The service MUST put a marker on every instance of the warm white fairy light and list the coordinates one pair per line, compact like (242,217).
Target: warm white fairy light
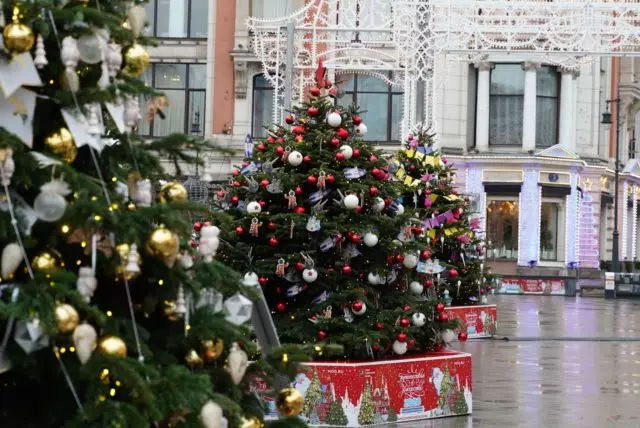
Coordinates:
(625,219)
(634,232)
(567,219)
(577,229)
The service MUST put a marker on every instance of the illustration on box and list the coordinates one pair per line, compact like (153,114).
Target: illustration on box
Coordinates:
(532,286)
(476,321)
(354,397)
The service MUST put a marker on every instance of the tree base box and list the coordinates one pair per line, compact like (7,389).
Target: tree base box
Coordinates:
(380,392)
(478,321)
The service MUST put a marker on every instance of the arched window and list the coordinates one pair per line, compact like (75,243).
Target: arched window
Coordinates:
(262,106)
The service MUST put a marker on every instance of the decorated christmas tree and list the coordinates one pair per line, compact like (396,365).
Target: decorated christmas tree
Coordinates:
(453,268)
(319,223)
(336,414)
(392,416)
(460,406)
(366,414)
(107,317)
(313,396)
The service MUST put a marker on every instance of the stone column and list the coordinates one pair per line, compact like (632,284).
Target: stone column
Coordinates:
(530,102)
(482,106)
(566,109)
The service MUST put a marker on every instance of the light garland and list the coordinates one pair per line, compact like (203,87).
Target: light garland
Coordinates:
(634,231)
(625,219)
(567,232)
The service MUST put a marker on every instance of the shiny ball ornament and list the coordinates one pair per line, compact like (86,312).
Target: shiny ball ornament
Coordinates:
(448,336)
(347,270)
(340,157)
(289,402)
(213,349)
(315,91)
(67,318)
(358,307)
(334,119)
(50,206)
(374,279)
(112,345)
(402,337)
(416,288)
(351,202)
(310,275)
(322,335)
(440,308)
(405,322)
(347,151)
(378,204)
(163,244)
(444,318)
(343,133)
(357,119)
(173,192)
(453,273)
(370,239)
(400,209)
(361,130)
(295,158)
(44,262)
(18,38)
(400,348)
(252,422)
(462,336)
(136,61)
(418,319)
(410,261)
(273,242)
(61,144)
(193,359)
(254,207)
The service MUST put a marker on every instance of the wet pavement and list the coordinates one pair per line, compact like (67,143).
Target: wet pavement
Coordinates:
(569,362)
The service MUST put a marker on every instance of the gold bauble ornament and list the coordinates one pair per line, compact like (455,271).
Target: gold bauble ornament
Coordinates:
(67,318)
(113,345)
(252,422)
(163,244)
(170,310)
(173,192)
(193,359)
(213,349)
(17,38)
(61,144)
(136,61)
(289,402)
(123,252)
(44,262)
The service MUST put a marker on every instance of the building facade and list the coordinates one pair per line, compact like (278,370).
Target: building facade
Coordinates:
(525,135)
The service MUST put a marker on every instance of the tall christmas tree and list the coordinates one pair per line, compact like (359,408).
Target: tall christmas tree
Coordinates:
(451,266)
(367,412)
(107,318)
(332,246)
(313,395)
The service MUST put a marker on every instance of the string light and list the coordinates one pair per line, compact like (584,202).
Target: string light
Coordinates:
(97,217)
(109,313)
(161,282)
(634,231)
(83,244)
(285,358)
(625,219)
(114,179)
(65,228)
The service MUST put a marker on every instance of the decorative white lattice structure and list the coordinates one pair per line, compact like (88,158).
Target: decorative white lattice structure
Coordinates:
(402,39)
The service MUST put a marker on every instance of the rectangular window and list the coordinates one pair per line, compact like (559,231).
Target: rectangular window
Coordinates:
(262,116)
(506,106)
(502,227)
(547,88)
(183,85)
(549,230)
(178,18)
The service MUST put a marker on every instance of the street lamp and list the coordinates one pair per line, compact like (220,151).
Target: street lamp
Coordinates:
(606,120)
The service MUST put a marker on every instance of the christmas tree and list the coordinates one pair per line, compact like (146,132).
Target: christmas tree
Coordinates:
(366,414)
(313,396)
(319,221)
(445,391)
(460,406)
(336,414)
(107,318)
(392,416)
(451,266)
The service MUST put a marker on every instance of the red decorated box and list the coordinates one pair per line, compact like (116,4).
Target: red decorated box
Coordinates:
(365,393)
(478,321)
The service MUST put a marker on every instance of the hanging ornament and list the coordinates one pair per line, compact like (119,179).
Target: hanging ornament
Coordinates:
(347,151)
(93,120)
(462,336)
(295,158)
(291,199)
(378,204)
(84,339)
(193,359)
(90,48)
(140,192)
(238,309)
(87,283)
(310,275)
(40,59)
(70,55)
(400,348)
(114,59)
(61,144)
(11,259)
(112,345)
(7,166)
(343,133)
(358,307)
(419,319)
(416,288)
(361,130)
(289,402)
(163,244)
(30,336)
(370,239)
(211,415)
(67,318)
(448,336)
(17,37)
(322,180)
(181,303)
(334,119)
(133,258)
(374,278)
(173,192)
(136,19)
(209,242)
(237,363)
(44,262)
(132,113)
(213,349)
(280,268)
(253,208)
(410,261)
(252,422)
(250,279)
(453,273)
(136,61)
(351,202)
(254,228)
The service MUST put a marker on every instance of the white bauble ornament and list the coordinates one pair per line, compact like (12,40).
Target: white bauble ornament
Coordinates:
(484,300)
(448,336)
(351,202)
(400,209)
(378,204)
(416,288)
(186,261)
(50,203)
(238,362)
(347,151)
(90,48)
(334,119)
(250,279)
(87,283)
(374,278)
(211,415)
(359,308)
(400,348)
(253,208)
(310,275)
(410,261)
(419,319)
(84,339)
(361,130)
(11,259)
(295,158)
(370,239)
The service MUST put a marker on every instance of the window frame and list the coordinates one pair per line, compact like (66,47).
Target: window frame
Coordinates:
(557,98)
(254,89)
(187,102)
(503,198)
(188,23)
(390,94)
(561,231)
(503,96)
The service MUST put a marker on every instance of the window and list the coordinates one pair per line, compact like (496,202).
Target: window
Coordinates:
(178,18)
(506,105)
(549,220)
(547,85)
(263,94)
(184,87)
(502,227)
(270,8)
(382,105)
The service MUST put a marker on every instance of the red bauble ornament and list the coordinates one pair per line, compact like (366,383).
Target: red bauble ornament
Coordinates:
(239,230)
(358,209)
(374,191)
(439,347)
(279,150)
(298,130)
(315,91)
(273,241)
(407,308)
(280,140)
(327,83)
(312,179)
(357,306)
(330,179)
(411,343)
(261,147)
(236,171)
(281,307)
(444,161)
(299,138)
(444,318)
(402,337)
(391,260)
(220,194)
(235,200)
(262,203)
(428,283)
(289,119)
(453,274)
(376,347)
(299,266)
(343,133)
(375,172)
(425,255)
(340,156)
(399,258)
(307,159)
(264,183)
(462,336)
(270,139)
(194,244)
(335,142)
(299,210)
(237,184)
(356,153)
(312,111)
(197,226)
(410,137)
(357,120)
(440,307)
(263,280)
(355,238)
(373,158)
(412,167)
(379,326)
(322,335)
(298,191)
(481,292)
(272,226)
(347,270)
(404,322)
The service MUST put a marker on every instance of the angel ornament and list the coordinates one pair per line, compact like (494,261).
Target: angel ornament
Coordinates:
(285,155)
(254,229)
(280,268)
(291,197)
(322,180)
